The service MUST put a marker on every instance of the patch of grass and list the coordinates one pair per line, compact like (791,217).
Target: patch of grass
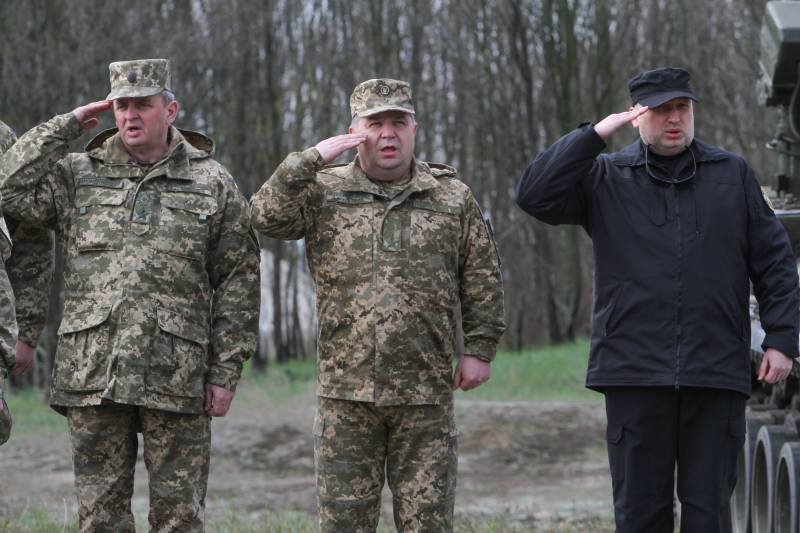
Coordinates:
(38,521)
(231,521)
(284,382)
(551,373)
(31,414)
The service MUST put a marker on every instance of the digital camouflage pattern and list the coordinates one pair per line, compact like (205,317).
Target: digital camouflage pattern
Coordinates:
(30,270)
(389,275)
(376,96)
(8,325)
(8,322)
(148,252)
(29,267)
(176,452)
(7,137)
(137,78)
(417,445)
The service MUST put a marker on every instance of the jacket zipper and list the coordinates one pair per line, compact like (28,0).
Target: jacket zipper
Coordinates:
(678,332)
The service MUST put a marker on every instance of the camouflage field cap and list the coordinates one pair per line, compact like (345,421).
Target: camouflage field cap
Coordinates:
(376,96)
(137,78)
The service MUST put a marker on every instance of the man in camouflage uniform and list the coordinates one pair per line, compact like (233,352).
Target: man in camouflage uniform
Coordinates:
(8,323)
(159,307)
(394,245)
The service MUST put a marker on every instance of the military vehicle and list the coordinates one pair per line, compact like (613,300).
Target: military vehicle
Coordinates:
(767,494)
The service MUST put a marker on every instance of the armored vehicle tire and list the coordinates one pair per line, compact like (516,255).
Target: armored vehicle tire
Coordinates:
(787,489)
(769,442)
(740,500)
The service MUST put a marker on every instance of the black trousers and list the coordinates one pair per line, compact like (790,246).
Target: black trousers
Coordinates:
(650,431)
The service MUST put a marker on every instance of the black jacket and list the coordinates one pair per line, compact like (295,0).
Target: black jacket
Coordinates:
(673,261)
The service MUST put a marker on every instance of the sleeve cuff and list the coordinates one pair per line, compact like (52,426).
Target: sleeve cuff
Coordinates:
(224,377)
(787,346)
(482,349)
(69,126)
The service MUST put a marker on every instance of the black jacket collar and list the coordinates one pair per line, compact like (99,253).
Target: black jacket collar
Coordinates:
(633,154)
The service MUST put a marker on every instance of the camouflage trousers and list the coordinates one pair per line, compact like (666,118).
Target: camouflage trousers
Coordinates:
(357,445)
(104,450)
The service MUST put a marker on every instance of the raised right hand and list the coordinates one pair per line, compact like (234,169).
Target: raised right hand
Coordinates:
(86,113)
(609,125)
(332,148)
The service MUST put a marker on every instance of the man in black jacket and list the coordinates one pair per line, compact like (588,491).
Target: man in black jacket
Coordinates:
(679,230)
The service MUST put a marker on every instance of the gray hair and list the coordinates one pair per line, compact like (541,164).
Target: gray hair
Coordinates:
(168,96)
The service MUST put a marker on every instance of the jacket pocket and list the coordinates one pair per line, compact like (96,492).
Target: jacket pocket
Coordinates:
(100,218)
(183,228)
(179,359)
(435,235)
(82,353)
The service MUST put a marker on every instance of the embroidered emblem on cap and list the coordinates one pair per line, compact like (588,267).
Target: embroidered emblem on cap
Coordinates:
(131,76)
(384,90)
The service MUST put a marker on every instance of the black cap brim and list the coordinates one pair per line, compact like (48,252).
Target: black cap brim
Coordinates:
(658,99)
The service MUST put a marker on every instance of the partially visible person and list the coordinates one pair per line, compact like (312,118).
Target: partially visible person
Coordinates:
(8,323)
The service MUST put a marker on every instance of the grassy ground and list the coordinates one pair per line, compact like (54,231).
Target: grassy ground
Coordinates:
(554,373)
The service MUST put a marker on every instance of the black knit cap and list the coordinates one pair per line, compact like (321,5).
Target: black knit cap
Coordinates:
(653,88)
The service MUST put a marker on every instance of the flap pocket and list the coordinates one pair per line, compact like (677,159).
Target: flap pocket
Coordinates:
(180,326)
(197,203)
(81,320)
(614,433)
(86,196)
(99,181)
(435,207)
(350,198)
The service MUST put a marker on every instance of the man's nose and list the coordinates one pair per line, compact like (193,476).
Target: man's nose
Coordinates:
(388,131)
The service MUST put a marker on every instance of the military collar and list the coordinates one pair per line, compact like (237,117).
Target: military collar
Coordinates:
(633,154)
(357,180)
(185,145)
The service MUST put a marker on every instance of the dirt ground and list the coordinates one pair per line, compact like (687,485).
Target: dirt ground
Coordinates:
(541,466)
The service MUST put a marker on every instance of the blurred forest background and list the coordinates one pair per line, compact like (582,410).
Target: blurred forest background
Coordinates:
(495,82)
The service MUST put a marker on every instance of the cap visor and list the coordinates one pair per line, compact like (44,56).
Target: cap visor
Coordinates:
(133,92)
(662,98)
(383,109)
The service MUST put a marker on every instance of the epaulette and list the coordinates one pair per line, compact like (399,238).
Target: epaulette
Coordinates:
(439,170)
(334,170)
(326,167)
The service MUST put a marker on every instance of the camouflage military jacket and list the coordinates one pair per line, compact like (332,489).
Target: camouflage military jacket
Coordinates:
(160,268)
(390,273)
(8,323)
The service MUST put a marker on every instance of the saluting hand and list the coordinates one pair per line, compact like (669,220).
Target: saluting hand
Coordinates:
(332,148)
(609,125)
(775,366)
(86,113)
